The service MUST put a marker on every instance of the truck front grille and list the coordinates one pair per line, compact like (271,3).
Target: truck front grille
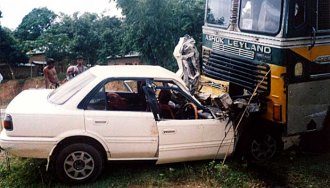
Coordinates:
(246,74)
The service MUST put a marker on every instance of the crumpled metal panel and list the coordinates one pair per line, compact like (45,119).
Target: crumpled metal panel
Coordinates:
(187,57)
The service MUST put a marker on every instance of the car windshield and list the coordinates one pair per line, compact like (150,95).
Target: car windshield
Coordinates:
(218,12)
(260,16)
(67,90)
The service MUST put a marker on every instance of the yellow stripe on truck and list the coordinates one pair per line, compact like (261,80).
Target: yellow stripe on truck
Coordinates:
(277,94)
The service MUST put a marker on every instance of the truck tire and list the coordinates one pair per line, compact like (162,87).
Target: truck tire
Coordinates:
(258,140)
(78,163)
(262,147)
(326,131)
(327,139)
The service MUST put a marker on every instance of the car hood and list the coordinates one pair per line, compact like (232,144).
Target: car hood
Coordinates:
(30,101)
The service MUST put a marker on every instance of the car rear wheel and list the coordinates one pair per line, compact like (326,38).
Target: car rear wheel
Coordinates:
(79,163)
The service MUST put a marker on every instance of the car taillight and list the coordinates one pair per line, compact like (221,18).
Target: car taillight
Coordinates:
(8,123)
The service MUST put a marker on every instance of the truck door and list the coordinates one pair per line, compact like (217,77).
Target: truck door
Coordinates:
(309,67)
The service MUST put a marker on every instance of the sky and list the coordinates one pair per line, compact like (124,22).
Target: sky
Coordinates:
(13,11)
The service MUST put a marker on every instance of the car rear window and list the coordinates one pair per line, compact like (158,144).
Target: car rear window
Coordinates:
(70,88)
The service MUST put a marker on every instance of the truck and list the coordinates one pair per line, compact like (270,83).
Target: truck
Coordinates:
(274,54)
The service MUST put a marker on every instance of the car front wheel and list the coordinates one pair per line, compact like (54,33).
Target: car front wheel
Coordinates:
(79,163)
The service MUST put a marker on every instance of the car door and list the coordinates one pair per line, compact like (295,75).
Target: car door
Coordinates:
(129,134)
(187,139)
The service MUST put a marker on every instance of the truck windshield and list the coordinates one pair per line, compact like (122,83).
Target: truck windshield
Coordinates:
(262,16)
(218,12)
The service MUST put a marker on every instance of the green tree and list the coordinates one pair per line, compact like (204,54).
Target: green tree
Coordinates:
(35,23)
(153,27)
(56,45)
(10,52)
(111,36)
(79,33)
(191,18)
(89,35)
(86,40)
(56,41)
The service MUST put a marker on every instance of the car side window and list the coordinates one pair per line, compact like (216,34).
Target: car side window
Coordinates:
(119,95)
(122,86)
(173,104)
(98,101)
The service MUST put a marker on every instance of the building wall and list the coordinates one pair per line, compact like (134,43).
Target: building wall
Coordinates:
(37,57)
(125,61)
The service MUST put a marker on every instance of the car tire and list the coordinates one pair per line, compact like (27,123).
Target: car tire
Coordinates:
(78,163)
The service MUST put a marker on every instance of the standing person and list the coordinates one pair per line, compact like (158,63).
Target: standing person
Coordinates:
(51,80)
(80,64)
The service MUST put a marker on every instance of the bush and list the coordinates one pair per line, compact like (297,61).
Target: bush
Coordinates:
(23,172)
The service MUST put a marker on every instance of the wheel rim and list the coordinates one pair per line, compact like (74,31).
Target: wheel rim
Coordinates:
(79,165)
(263,148)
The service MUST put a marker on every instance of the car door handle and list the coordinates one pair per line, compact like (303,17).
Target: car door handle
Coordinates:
(168,131)
(99,122)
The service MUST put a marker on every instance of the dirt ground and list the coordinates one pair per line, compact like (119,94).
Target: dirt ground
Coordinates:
(9,89)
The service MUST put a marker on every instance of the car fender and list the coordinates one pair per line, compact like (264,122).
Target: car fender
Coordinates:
(80,133)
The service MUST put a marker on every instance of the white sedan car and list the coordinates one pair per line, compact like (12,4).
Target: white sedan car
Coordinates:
(114,113)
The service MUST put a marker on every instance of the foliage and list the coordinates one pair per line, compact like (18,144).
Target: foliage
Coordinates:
(111,37)
(10,52)
(88,34)
(55,45)
(302,170)
(153,27)
(23,172)
(86,40)
(35,23)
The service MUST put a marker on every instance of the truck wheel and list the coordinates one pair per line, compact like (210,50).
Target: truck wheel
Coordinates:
(326,131)
(262,147)
(78,163)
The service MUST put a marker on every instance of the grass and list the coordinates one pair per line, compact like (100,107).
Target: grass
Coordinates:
(290,169)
